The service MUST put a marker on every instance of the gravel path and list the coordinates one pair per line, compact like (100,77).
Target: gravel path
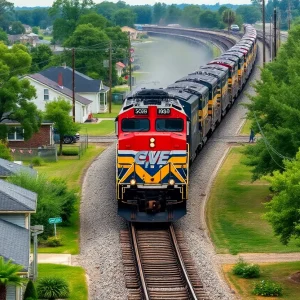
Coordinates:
(100,226)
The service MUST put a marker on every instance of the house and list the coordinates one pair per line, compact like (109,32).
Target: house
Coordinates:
(49,90)
(133,32)
(31,39)
(16,206)
(28,29)
(85,86)
(119,67)
(48,30)
(14,38)
(8,168)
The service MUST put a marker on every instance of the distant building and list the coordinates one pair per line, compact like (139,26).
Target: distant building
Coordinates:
(133,32)
(119,67)
(28,29)
(8,168)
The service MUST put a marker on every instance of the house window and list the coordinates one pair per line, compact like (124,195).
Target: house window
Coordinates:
(15,133)
(46,94)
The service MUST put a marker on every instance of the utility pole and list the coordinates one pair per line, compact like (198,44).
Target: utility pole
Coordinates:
(271,38)
(73,82)
(110,78)
(289,14)
(279,22)
(129,61)
(264,31)
(275,32)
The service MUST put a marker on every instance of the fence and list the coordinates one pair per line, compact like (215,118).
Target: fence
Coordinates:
(46,153)
(76,150)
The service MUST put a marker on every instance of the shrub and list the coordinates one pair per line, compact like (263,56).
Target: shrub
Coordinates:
(54,241)
(53,288)
(70,152)
(245,270)
(37,161)
(30,291)
(4,151)
(267,288)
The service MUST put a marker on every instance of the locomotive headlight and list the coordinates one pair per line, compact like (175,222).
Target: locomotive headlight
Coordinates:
(152,145)
(171,182)
(132,182)
(152,140)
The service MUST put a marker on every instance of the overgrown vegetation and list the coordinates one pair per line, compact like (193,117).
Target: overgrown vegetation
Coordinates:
(4,151)
(53,288)
(245,270)
(267,288)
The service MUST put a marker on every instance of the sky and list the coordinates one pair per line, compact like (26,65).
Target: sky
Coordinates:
(133,2)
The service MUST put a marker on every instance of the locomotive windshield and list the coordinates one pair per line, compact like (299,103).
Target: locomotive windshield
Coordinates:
(172,125)
(135,125)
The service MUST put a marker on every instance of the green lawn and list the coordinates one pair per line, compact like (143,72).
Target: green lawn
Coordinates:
(279,272)
(75,276)
(235,210)
(71,170)
(246,128)
(115,109)
(106,127)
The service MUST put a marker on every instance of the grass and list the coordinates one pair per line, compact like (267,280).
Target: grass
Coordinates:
(106,127)
(115,109)
(279,272)
(75,276)
(72,171)
(235,211)
(246,128)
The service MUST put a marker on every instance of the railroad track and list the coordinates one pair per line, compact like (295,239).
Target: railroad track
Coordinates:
(157,265)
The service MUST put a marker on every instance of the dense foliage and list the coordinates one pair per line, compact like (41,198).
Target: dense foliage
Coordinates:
(245,270)
(30,291)
(53,288)
(267,289)
(4,151)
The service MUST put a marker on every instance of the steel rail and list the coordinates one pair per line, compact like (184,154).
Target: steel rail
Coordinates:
(178,253)
(139,264)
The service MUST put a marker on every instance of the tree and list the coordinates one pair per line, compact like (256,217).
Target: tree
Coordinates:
(190,16)
(15,93)
(52,288)
(30,291)
(284,208)
(173,14)
(209,19)
(159,12)
(143,14)
(249,13)
(8,276)
(3,36)
(4,151)
(124,17)
(222,9)
(35,29)
(17,28)
(41,56)
(6,9)
(94,19)
(228,17)
(58,111)
(106,9)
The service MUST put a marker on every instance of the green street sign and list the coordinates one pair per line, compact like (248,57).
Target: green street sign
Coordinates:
(55,220)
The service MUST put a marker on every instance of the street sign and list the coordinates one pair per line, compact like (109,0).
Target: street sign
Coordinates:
(131,50)
(131,59)
(55,220)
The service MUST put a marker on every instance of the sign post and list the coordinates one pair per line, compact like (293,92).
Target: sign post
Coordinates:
(55,221)
(35,231)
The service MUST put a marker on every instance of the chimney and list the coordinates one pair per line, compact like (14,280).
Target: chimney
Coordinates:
(60,80)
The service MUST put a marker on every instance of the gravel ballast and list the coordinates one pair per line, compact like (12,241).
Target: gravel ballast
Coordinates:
(100,225)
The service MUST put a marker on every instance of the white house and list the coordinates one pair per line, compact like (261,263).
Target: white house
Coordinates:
(85,86)
(119,67)
(48,90)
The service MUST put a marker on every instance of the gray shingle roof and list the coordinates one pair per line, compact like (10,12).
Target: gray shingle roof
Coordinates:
(8,168)
(83,83)
(14,243)
(54,85)
(15,198)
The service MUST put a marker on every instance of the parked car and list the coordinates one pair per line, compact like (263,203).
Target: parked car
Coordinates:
(68,139)
(234,27)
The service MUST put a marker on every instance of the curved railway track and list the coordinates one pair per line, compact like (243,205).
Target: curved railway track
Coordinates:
(158,265)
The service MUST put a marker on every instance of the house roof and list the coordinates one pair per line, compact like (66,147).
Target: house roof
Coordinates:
(120,64)
(8,168)
(14,243)
(14,37)
(16,199)
(54,85)
(83,83)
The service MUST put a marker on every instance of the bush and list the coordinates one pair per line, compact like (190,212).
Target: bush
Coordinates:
(4,151)
(267,288)
(30,291)
(37,162)
(53,288)
(245,270)
(54,241)
(70,152)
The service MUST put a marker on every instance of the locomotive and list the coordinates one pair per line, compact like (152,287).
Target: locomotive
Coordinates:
(161,131)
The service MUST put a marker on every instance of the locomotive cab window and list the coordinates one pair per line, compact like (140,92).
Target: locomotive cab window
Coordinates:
(133,125)
(171,125)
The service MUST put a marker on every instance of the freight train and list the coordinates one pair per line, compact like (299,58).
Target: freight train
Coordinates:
(161,131)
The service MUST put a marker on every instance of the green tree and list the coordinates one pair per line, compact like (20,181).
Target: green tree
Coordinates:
(52,288)
(17,28)
(41,56)
(93,18)
(284,208)
(3,36)
(8,276)
(6,8)
(58,111)
(249,13)
(228,17)
(143,14)
(4,151)
(209,19)
(30,291)
(124,17)
(222,9)
(190,16)
(15,93)
(106,9)
(159,12)
(35,29)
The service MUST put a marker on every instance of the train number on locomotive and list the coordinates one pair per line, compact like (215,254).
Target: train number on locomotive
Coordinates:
(163,111)
(141,111)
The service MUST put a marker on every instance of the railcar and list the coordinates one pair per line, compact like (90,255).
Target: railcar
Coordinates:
(161,131)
